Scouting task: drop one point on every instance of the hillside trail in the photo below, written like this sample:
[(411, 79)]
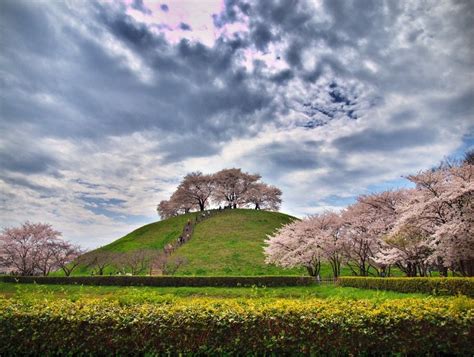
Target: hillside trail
[(187, 234)]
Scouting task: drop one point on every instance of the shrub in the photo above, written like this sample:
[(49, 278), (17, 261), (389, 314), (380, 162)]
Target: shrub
[(225, 281), (435, 286), (236, 326)]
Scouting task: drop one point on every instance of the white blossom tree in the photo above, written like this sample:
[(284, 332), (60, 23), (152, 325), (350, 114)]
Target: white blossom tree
[(36, 248), (307, 243), (196, 189), (442, 208), (231, 186), (365, 224), (409, 250), (263, 196)]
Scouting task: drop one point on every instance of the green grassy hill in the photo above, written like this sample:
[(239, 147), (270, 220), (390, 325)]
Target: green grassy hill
[(228, 243), (152, 236)]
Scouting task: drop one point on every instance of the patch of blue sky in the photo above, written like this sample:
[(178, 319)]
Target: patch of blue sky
[(335, 200), (467, 144), (390, 185)]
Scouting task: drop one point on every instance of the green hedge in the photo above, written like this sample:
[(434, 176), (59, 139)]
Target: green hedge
[(238, 326), (226, 281), (435, 286)]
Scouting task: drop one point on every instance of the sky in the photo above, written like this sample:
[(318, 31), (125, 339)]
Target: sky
[(105, 106)]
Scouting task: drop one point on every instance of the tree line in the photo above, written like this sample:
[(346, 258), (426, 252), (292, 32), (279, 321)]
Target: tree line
[(230, 188), (419, 230), (136, 262)]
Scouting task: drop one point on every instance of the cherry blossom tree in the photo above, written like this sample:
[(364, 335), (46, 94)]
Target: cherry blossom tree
[(442, 208), (330, 226), (134, 262), (28, 249), (231, 186), (365, 224), (66, 256), (167, 209), (295, 245), (196, 189), (469, 157), (179, 203), (409, 250), (263, 196), (98, 261), (167, 265), (307, 243)]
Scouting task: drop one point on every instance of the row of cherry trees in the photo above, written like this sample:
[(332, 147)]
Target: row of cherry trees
[(36, 249), (429, 227), (229, 187), (137, 262)]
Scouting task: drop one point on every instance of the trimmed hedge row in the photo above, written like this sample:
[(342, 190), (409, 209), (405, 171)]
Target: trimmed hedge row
[(435, 286), (212, 326), (226, 281)]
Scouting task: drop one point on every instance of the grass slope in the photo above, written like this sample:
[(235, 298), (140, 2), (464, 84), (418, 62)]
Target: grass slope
[(231, 242), (152, 236)]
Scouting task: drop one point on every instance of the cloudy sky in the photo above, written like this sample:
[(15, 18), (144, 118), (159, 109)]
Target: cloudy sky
[(105, 105)]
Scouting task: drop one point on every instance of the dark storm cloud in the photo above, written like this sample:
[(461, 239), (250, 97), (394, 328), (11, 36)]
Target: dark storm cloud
[(261, 37), (283, 157), (24, 31), (92, 93), (24, 183), (293, 54), (187, 145), (283, 76), (375, 140), (100, 92), (127, 29), (174, 88), (22, 159), (138, 5), (185, 27)]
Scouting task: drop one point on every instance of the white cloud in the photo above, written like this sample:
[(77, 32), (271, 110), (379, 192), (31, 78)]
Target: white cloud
[(105, 110)]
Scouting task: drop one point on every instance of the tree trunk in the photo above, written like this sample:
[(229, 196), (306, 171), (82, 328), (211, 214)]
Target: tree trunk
[(336, 268)]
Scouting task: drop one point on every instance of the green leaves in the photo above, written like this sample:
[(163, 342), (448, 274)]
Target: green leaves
[(210, 325), (434, 286)]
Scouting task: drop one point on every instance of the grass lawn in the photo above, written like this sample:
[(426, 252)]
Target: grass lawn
[(231, 242), (163, 294)]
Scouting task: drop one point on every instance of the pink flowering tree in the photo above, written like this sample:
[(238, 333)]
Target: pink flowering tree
[(195, 190), (263, 196), (442, 208), (66, 256), (365, 224), (179, 203), (35, 248), (408, 249), (307, 243), (231, 185)]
